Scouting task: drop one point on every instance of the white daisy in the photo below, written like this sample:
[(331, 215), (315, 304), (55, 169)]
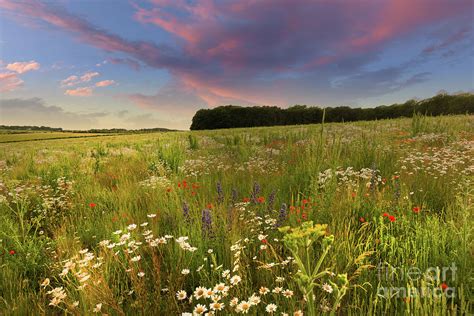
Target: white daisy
[(181, 295), (217, 306), (235, 280), (327, 288), (200, 309), (199, 292), (271, 308)]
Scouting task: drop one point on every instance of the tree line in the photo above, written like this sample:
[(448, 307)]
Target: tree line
[(30, 128), (231, 116), (12, 129)]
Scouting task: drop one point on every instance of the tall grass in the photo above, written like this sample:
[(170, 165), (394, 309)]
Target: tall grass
[(393, 194)]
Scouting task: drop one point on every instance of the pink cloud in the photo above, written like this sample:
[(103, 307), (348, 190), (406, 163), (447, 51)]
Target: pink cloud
[(224, 51), (274, 36), (399, 17), (74, 80), (70, 81), (79, 92), (22, 67), (88, 76), (167, 22), (105, 83), (9, 82), (126, 61)]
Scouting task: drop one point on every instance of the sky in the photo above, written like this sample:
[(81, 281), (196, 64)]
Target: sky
[(81, 64)]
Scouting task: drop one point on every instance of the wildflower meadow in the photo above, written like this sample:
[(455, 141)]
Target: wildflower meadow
[(363, 218)]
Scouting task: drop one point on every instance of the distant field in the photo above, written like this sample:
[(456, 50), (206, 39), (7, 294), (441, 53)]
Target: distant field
[(25, 136)]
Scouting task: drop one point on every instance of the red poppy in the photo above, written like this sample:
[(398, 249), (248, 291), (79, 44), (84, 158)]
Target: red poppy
[(305, 201), (261, 199), (12, 252), (210, 206), (185, 184), (246, 200), (362, 220), (304, 216), (385, 214), (292, 208), (168, 190), (264, 241), (391, 218), (92, 205), (416, 209), (396, 177), (444, 286), (354, 194)]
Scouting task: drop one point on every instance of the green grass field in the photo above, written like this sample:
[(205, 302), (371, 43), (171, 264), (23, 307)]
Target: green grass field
[(367, 218), (29, 136)]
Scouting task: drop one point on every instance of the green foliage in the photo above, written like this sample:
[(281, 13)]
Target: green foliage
[(172, 155), (232, 116), (193, 142)]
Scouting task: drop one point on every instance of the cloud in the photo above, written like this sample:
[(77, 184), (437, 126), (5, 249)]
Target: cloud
[(171, 98), (149, 121), (135, 65), (70, 81), (105, 83), (378, 82), (79, 92), (449, 41), (83, 91), (9, 82), (75, 80), (150, 53), (267, 51), (22, 67), (35, 112), (122, 113), (88, 76)]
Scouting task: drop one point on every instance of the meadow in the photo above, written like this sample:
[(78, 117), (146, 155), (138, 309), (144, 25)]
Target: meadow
[(364, 218), (16, 136)]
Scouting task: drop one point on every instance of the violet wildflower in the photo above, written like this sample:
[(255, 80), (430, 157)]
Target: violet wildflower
[(255, 192), (220, 193), (281, 215), (271, 200), (206, 222), (186, 212)]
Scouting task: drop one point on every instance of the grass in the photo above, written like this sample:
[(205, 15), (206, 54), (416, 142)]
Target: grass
[(345, 219)]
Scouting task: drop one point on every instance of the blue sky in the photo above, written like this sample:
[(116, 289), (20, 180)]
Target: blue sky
[(138, 64)]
